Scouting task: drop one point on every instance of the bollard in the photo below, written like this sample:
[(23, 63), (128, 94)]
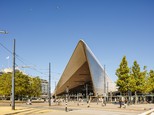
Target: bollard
[(88, 104), (105, 103), (66, 106), (77, 103), (102, 104)]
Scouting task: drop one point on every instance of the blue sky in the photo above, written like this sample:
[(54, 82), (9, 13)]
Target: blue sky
[(49, 30)]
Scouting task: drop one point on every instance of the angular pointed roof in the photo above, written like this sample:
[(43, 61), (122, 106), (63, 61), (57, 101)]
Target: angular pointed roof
[(83, 67)]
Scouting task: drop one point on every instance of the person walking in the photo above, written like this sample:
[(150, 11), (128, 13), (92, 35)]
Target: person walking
[(120, 102)]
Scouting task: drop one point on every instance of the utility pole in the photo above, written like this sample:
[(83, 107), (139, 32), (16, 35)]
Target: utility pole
[(104, 86), (49, 85), (13, 77), (107, 92), (55, 89), (104, 81)]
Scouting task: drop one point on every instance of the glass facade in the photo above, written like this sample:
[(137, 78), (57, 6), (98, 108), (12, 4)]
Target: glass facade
[(101, 82), (97, 73)]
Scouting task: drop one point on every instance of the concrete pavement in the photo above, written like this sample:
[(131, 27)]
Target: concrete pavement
[(94, 109), (23, 111)]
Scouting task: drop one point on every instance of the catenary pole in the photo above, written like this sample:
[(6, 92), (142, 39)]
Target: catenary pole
[(104, 86), (49, 85), (55, 89), (13, 77), (104, 81)]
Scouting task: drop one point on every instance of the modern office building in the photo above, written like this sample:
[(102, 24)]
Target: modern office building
[(44, 87), (84, 74)]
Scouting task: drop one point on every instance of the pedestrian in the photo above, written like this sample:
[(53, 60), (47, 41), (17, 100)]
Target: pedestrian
[(97, 98), (102, 101)]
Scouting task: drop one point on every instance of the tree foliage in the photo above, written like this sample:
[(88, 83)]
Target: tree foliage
[(24, 85), (138, 78), (123, 76), (151, 81), (5, 84), (134, 79), (35, 89), (21, 84)]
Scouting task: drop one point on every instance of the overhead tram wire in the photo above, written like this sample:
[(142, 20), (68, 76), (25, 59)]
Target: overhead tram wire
[(6, 48), (32, 68), (20, 59), (10, 52)]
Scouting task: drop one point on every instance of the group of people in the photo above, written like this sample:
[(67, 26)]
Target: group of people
[(122, 101)]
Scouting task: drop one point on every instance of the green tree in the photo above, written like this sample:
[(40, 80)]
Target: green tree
[(22, 85), (151, 81), (123, 74), (5, 84), (144, 76), (131, 82), (35, 89), (139, 78)]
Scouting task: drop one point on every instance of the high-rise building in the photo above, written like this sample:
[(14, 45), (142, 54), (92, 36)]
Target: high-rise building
[(44, 87)]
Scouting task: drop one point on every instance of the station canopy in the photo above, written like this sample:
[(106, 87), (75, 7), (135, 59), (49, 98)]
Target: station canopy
[(84, 73)]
